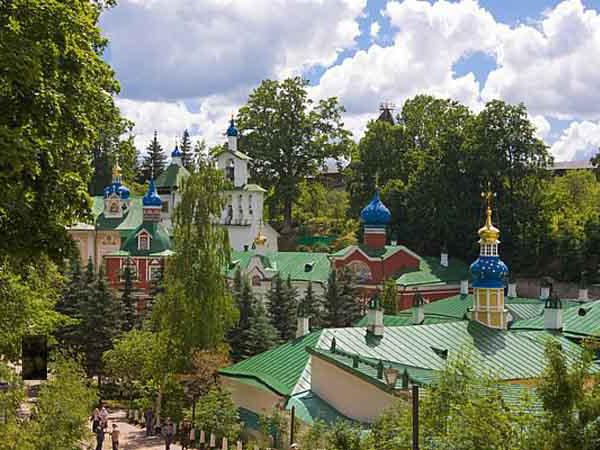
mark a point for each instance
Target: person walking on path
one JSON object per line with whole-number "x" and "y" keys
{"x": 114, "y": 435}
{"x": 184, "y": 435}
{"x": 99, "y": 437}
{"x": 169, "y": 434}
{"x": 149, "y": 421}
{"x": 103, "y": 416}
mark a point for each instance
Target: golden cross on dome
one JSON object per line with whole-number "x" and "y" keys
{"x": 488, "y": 196}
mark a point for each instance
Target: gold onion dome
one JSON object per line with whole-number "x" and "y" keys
{"x": 488, "y": 233}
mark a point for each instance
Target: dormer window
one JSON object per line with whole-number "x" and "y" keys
{"x": 143, "y": 241}
{"x": 230, "y": 170}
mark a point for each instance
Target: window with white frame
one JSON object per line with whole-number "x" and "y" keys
{"x": 155, "y": 272}
{"x": 129, "y": 264}
{"x": 143, "y": 241}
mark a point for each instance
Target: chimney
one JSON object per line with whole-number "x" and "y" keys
{"x": 464, "y": 287}
{"x": 375, "y": 317}
{"x": 512, "y": 290}
{"x": 553, "y": 314}
{"x": 545, "y": 287}
{"x": 418, "y": 309}
{"x": 444, "y": 256}
{"x": 583, "y": 294}
{"x": 302, "y": 328}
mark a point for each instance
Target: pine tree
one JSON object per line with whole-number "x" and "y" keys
{"x": 282, "y": 309}
{"x": 100, "y": 320}
{"x": 245, "y": 301}
{"x": 200, "y": 154}
{"x": 187, "y": 154}
{"x": 340, "y": 300}
{"x": 155, "y": 159}
{"x": 69, "y": 304}
{"x": 311, "y": 306}
{"x": 128, "y": 301}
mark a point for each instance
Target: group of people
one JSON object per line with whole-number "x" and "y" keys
{"x": 100, "y": 428}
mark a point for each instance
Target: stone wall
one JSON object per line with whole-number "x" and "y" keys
{"x": 530, "y": 287}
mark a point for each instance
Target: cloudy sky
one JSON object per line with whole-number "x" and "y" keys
{"x": 192, "y": 63}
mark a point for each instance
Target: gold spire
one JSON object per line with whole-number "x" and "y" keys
{"x": 488, "y": 233}
{"x": 116, "y": 172}
{"x": 260, "y": 238}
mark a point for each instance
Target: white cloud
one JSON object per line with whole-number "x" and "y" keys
{"x": 550, "y": 67}
{"x": 542, "y": 126}
{"x": 430, "y": 39}
{"x": 580, "y": 140}
{"x": 174, "y": 49}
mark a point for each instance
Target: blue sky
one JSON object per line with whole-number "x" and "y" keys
{"x": 192, "y": 63}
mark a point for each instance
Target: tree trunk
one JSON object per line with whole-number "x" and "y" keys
{"x": 287, "y": 216}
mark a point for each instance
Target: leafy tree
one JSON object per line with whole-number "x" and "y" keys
{"x": 196, "y": 308}
{"x": 200, "y": 153}
{"x": 155, "y": 159}
{"x": 275, "y": 427}
{"x": 311, "y": 306}
{"x": 207, "y": 364}
{"x": 60, "y": 418}
{"x": 56, "y": 100}
{"x": 216, "y": 413}
{"x": 187, "y": 152}
{"x": 571, "y": 399}
{"x": 341, "y": 305}
{"x": 28, "y": 293}
{"x": 288, "y": 137}
{"x": 389, "y": 297}
{"x": 282, "y": 307}
{"x": 128, "y": 302}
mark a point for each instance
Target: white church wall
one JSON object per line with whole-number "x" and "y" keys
{"x": 253, "y": 398}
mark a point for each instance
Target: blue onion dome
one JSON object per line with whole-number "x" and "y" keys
{"x": 489, "y": 272}
{"x": 151, "y": 198}
{"x": 376, "y": 213}
{"x": 176, "y": 153}
{"x": 123, "y": 192}
{"x": 232, "y": 130}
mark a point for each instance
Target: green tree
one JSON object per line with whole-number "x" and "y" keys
{"x": 28, "y": 293}
{"x": 187, "y": 153}
{"x": 282, "y": 307}
{"x": 128, "y": 302}
{"x": 155, "y": 160}
{"x": 311, "y": 306}
{"x": 196, "y": 309}
{"x": 57, "y": 97}
{"x": 288, "y": 137}
{"x": 389, "y": 297}
{"x": 340, "y": 300}
{"x": 571, "y": 398}
{"x": 216, "y": 413}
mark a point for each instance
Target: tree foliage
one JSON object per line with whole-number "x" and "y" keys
{"x": 155, "y": 160}
{"x": 282, "y": 305}
{"x": 196, "y": 308}
{"x": 187, "y": 152}
{"x": 216, "y": 413}
{"x": 57, "y": 96}
{"x": 340, "y": 299}
{"x": 311, "y": 306}
{"x": 288, "y": 137}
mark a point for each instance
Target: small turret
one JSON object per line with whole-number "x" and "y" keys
{"x": 418, "y": 308}
{"x": 375, "y": 217}
{"x": 232, "y": 136}
{"x": 553, "y": 313}
{"x": 152, "y": 204}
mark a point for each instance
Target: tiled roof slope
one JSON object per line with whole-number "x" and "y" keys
{"x": 281, "y": 369}
{"x": 287, "y": 263}
{"x": 579, "y": 320}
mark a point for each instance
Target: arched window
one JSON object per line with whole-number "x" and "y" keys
{"x": 250, "y": 204}
{"x": 361, "y": 270}
{"x": 256, "y": 280}
{"x": 143, "y": 241}
{"x": 230, "y": 170}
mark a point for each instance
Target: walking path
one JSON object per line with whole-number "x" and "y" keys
{"x": 133, "y": 437}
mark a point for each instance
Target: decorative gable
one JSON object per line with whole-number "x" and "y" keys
{"x": 143, "y": 239}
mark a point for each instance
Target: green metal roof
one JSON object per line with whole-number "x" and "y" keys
{"x": 575, "y": 322}
{"x": 310, "y": 407}
{"x": 511, "y": 356}
{"x": 235, "y": 153}
{"x": 293, "y": 264}
{"x": 248, "y": 187}
{"x": 159, "y": 241}
{"x": 284, "y": 369}
{"x": 404, "y": 319}
{"x": 128, "y": 223}
{"x": 432, "y": 272}
{"x": 172, "y": 176}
